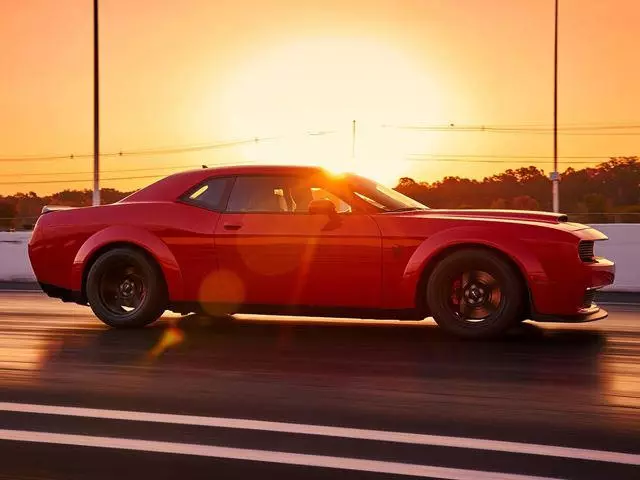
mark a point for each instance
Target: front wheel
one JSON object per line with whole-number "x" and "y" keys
{"x": 126, "y": 289}
{"x": 474, "y": 293}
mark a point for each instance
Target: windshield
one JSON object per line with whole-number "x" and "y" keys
{"x": 381, "y": 197}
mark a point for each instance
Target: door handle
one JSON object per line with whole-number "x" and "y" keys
{"x": 232, "y": 226}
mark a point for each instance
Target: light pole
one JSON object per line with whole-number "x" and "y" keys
{"x": 353, "y": 140}
{"x": 96, "y": 108}
{"x": 555, "y": 177}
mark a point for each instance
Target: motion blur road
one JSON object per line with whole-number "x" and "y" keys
{"x": 475, "y": 409}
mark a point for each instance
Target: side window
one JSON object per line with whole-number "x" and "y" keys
{"x": 320, "y": 193}
{"x": 303, "y": 192}
{"x": 259, "y": 194}
{"x": 209, "y": 195}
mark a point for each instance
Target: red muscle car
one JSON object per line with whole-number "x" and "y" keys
{"x": 299, "y": 240}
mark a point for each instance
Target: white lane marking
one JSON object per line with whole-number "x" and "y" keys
{"x": 328, "y": 431}
{"x": 300, "y": 459}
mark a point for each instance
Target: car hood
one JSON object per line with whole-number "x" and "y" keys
{"x": 493, "y": 214}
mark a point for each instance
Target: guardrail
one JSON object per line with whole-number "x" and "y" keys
{"x": 623, "y": 247}
{"x": 604, "y": 217}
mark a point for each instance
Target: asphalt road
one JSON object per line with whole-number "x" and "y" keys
{"x": 261, "y": 397}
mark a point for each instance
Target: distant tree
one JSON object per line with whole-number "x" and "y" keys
{"x": 499, "y": 203}
{"x": 596, "y": 206}
{"x": 28, "y": 208}
{"x": 111, "y": 195}
{"x": 630, "y": 214}
{"x": 619, "y": 179}
{"x": 612, "y": 187}
{"x": 409, "y": 187}
{"x": 7, "y": 214}
{"x": 595, "y": 203}
{"x": 71, "y": 198}
{"x": 525, "y": 202}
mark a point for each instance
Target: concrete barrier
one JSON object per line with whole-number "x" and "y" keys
{"x": 14, "y": 260}
{"x": 623, "y": 248}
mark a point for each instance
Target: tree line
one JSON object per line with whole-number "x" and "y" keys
{"x": 607, "y": 192}
{"x": 20, "y": 211}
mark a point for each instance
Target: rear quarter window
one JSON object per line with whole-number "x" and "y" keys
{"x": 211, "y": 194}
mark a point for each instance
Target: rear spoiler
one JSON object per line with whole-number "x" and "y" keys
{"x": 55, "y": 208}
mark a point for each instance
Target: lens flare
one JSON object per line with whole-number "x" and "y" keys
{"x": 220, "y": 291}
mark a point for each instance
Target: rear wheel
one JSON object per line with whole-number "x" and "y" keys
{"x": 474, "y": 293}
{"x": 126, "y": 289}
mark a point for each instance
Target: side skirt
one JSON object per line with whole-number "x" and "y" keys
{"x": 295, "y": 310}
{"x": 214, "y": 309}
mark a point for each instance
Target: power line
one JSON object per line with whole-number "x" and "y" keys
{"x": 486, "y": 160}
{"x": 520, "y": 131}
{"x": 594, "y": 157}
{"x": 43, "y": 158}
{"x": 175, "y": 167}
{"x": 517, "y": 127}
{"x": 500, "y": 159}
{"x": 525, "y": 126}
{"x": 412, "y": 156}
{"x": 42, "y": 182}
{"x": 575, "y": 130}
{"x": 161, "y": 150}
{"x": 156, "y": 151}
{"x": 517, "y": 130}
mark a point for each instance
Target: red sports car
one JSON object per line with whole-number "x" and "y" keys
{"x": 299, "y": 240}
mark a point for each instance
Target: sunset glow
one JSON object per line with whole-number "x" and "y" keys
{"x": 325, "y": 82}
{"x": 295, "y": 75}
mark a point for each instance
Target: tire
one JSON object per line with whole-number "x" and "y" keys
{"x": 474, "y": 293}
{"x": 126, "y": 289}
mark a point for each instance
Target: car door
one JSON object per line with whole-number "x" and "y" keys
{"x": 272, "y": 251}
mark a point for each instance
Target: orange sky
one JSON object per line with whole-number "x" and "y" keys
{"x": 190, "y": 72}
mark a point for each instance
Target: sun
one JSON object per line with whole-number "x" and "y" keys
{"x": 307, "y": 94}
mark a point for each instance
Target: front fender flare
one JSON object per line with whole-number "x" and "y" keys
{"x": 139, "y": 237}
{"x": 431, "y": 248}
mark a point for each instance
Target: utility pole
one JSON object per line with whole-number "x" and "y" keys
{"x": 96, "y": 108}
{"x": 555, "y": 177}
{"x": 353, "y": 140}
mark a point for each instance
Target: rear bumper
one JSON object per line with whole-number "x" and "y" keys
{"x": 63, "y": 294}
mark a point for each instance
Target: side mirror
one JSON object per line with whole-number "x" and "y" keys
{"x": 322, "y": 206}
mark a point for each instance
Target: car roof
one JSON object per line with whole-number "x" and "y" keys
{"x": 244, "y": 169}
{"x": 172, "y": 186}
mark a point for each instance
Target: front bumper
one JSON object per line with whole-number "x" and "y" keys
{"x": 591, "y": 314}
{"x": 569, "y": 290}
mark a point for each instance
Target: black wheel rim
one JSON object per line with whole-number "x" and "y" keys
{"x": 122, "y": 288}
{"x": 475, "y": 297}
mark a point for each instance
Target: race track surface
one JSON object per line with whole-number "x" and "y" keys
{"x": 260, "y": 397}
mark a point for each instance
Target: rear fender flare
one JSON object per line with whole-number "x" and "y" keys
{"x": 133, "y": 236}
{"x": 429, "y": 250}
